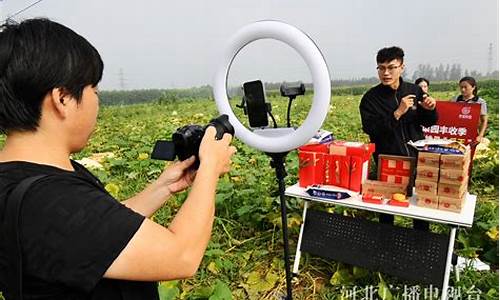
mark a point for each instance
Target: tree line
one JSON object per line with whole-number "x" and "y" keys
{"x": 448, "y": 72}
{"x": 443, "y": 78}
{"x": 154, "y": 95}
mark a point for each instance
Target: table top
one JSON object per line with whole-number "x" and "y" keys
{"x": 464, "y": 218}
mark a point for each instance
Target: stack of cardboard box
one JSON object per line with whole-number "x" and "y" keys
{"x": 442, "y": 180}
{"x": 453, "y": 179}
{"x": 426, "y": 182}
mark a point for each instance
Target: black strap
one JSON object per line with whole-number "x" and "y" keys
{"x": 12, "y": 223}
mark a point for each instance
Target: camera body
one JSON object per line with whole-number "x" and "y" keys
{"x": 186, "y": 140}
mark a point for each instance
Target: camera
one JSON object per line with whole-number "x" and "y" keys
{"x": 186, "y": 140}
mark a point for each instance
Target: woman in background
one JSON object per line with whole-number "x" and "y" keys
{"x": 468, "y": 90}
{"x": 424, "y": 84}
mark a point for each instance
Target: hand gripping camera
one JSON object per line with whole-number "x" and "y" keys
{"x": 187, "y": 139}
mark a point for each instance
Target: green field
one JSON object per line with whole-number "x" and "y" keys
{"x": 244, "y": 257}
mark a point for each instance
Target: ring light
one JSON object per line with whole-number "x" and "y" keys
{"x": 279, "y": 139}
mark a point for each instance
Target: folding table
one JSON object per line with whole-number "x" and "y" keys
{"x": 407, "y": 253}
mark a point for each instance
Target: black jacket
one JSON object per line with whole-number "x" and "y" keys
{"x": 390, "y": 135}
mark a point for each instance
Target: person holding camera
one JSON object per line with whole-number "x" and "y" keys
{"x": 74, "y": 240}
{"x": 394, "y": 111}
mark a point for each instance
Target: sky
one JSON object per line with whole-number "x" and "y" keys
{"x": 179, "y": 44}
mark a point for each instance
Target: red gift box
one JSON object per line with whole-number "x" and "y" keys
{"x": 352, "y": 149}
{"x": 357, "y": 157}
{"x": 395, "y": 170}
{"x": 337, "y": 170}
{"x": 340, "y": 163}
{"x": 312, "y": 164}
{"x": 359, "y": 172}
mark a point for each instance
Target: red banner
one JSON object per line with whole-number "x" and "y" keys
{"x": 456, "y": 121}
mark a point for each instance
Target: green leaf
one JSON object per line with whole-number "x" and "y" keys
{"x": 341, "y": 276}
{"x": 244, "y": 210}
{"x": 168, "y": 290}
{"x": 212, "y": 267}
{"x": 221, "y": 292}
{"x": 253, "y": 278}
{"x": 202, "y": 292}
{"x": 461, "y": 238}
{"x": 483, "y": 225}
{"x": 259, "y": 283}
{"x": 214, "y": 252}
{"x": 383, "y": 291}
{"x": 272, "y": 278}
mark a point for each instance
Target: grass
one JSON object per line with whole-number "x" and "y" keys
{"x": 244, "y": 256}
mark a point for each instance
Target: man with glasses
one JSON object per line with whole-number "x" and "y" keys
{"x": 394, "y": 111}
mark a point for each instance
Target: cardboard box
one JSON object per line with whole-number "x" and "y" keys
{"x": 428, "y": 173}
{"x": 430, "y": 201}
{"x": 428, "y": 159}
{"x": 312, "y": 164}
{"x": 455, "y": 161}
{"x": 452, "y": 190}
{"x": 453, "y": 176}
{"x": 426, "y": 187}
{"x": 386, "y": 189}
{"x": 450, "y": 204}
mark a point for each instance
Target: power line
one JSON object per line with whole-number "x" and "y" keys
{"x": 22, "y": 10}
{"x": 122, "y": 80}
{"x": 490, "y": 58}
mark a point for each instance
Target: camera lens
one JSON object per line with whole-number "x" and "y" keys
{"x": 187, "y": 141}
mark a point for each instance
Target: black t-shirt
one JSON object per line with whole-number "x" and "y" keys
{"x": 72, "y": 232}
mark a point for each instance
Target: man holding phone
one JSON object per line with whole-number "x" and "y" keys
{"x": 394, "y": 111}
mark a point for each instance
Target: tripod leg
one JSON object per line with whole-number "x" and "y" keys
{"x": 284, "y": 223}
{"x": 278, "y": 163}
{"x": 298, "y": 253}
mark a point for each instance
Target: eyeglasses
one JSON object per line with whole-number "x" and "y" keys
{"x": 390, "y": 68}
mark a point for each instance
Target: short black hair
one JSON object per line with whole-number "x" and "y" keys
{"x": 422, "y": 79}
{"x": 36, "y": 56}
{"x": 390, "y": 53}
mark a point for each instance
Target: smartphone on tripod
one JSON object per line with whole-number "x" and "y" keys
{"x": 255, "y": 100}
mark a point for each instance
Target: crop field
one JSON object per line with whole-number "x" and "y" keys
{"x": 244, "y": 256}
